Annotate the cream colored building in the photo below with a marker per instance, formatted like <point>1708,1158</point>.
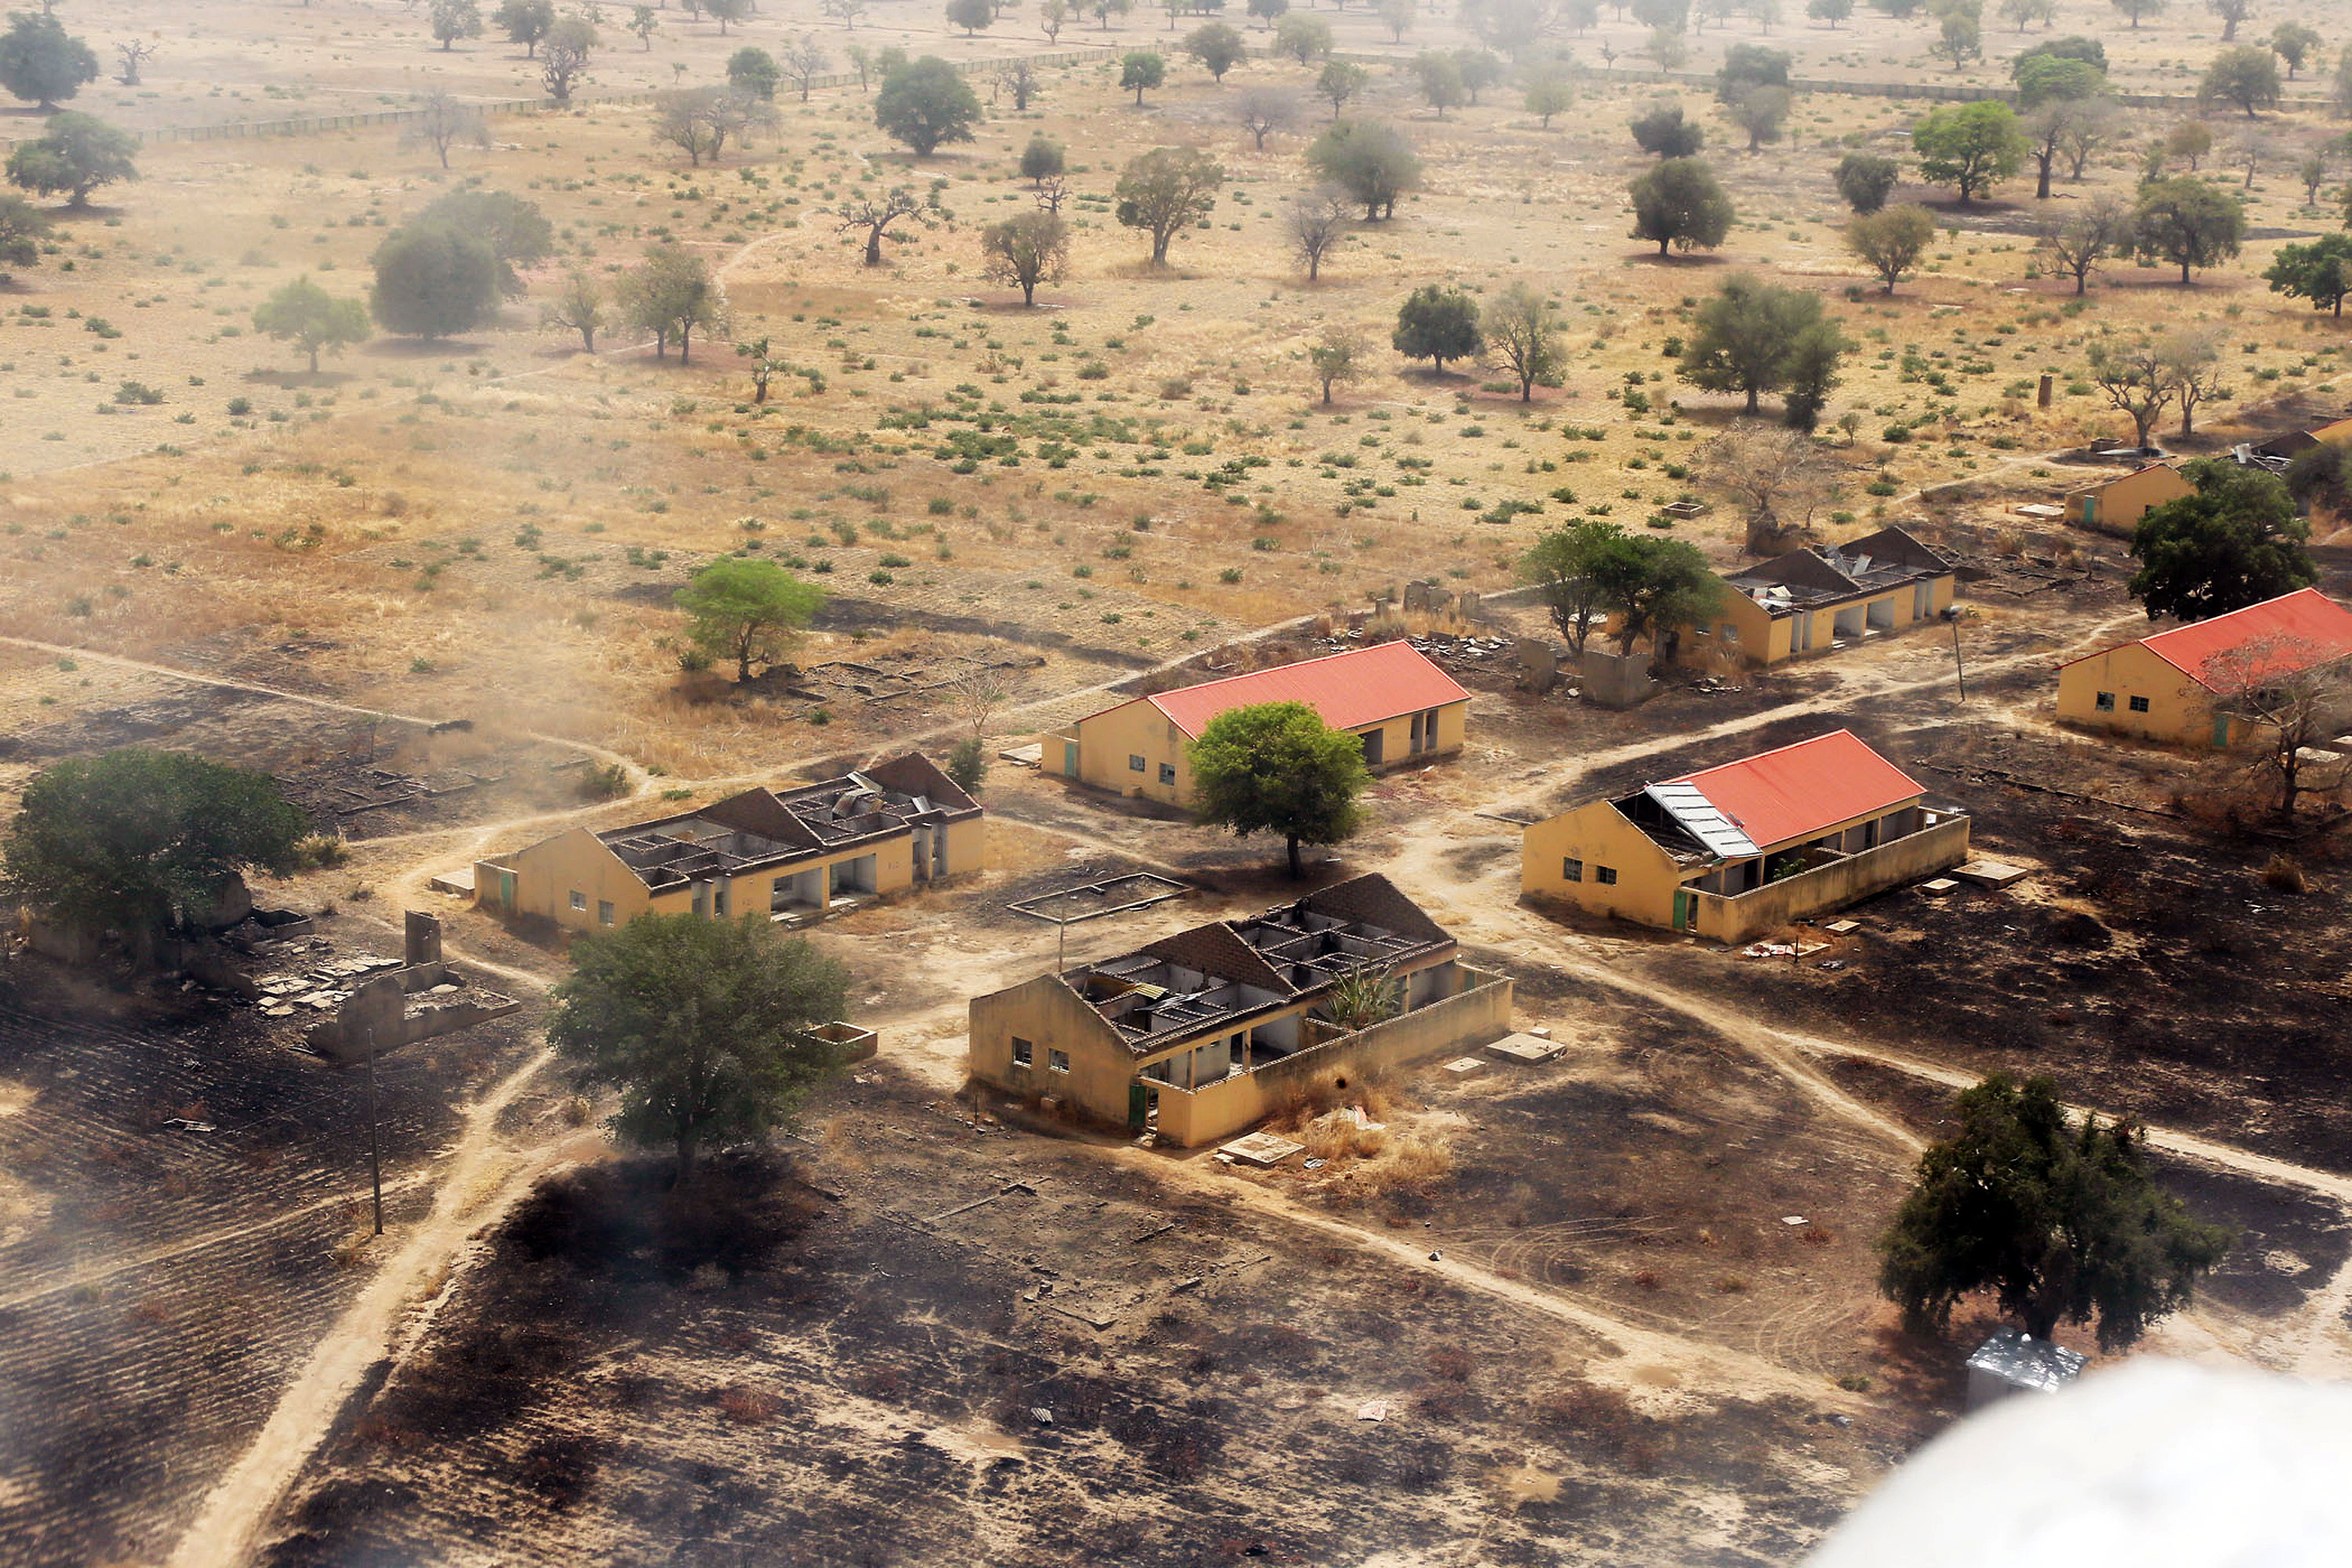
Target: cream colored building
<point>1746,846</point>
<point>792,854</point>
<point>1812,600</point>
<point>1403,707</point>
<point>2116,506</point>
<point>2168,687</point>
<point>1201,1034</point>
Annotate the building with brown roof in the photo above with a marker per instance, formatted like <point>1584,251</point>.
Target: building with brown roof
<point>1822,597</point>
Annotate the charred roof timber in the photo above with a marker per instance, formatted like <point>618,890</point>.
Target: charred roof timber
<point>1823,574</point>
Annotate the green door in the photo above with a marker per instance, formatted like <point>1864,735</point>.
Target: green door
<point>1069,759</point>
<point>2222,731</point>
<point>506,891</point>
<point>2090,511</point>
<point>1136,1106</point>
<point>1686,910</point>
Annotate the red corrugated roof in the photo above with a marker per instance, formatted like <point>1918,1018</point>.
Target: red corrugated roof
<point>2277,637</point>
<point>1363,685</point>
<point>1775,796</point>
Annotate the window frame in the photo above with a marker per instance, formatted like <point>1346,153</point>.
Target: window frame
<point>579,901</point>
<point>604,911</point>
<point>1024,1052</point>
<point>2136,704</point>
<point>1605,875</point>
<point>1571,868</point>
<point>1056,1061</point>
<point>1136,763</point>
<point>2103,703</point>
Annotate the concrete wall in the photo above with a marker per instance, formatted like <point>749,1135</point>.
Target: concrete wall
<point>2180,711</point>
<point>2116,507</point>
<point>1836,884</point>
<point>1479,1012</point>
<point>1767,639</point>
<point>1052,1016</point>
<point>1598,834</point>
<point>1108,740</point>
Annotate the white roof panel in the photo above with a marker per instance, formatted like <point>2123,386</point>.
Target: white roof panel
<point>1699,817</point>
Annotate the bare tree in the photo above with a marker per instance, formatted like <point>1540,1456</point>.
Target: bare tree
<point>2095,125</point>
<point>2250,149</point>
<point>441,121</point>
<point>1263,111</point>
<point>977,692</point>
<point>700,122</point>
<point>1025,251</point>
<point>1337,355</point>
<point>2190,360</point>
<point>2134,375</point>
<point>1051,190</point>
<point>133,53</point>
<point>846,11</point>
<point>876,214</point>
<point>1316,222</point>
<point>1019,78</point>
<point>802,61</point>
<point>1779,479</point>
<point>2294,697</point>
<point>580,306</point>
<point>1051,17</point>
<point>2080,245</point>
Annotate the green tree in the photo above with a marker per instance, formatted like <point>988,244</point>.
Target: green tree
<point>1140,68</point>
<point>1340,81</point>
<point>1277,768</point>
<point>1437,324</point>
<point>1830,11</point>
<point>1166,191</point>
<point>1678,203</point>
<point>2065,1224</point>
<point>432,282</point>
<point>704,1028</point>
<point>144,842</point>
<point>1747,67</point>
<point>23,227</point>
<point>451,20</point>
<point>1478,69</point>
<point>1971,145</point>
<point>1026,250</point>
<point>1371,159</point>
<point>925,103</point>
<point>581,306</point>
<point>311,319</point>
<point>1760,111</point>
<point>673,293</point>
<point>748,611</point>
<point>1754,337</point>
<point>1217,46</point>
<point>75,155</point>
<point>2184,221</point>
<point>753,71</point>
<point>2320,272</point>
<point>1570,567</point>
<point>1890,243</point>
<point>1523,333</point>
<point>565,55</point>
<point>1043,159</point>
<point>2047,76</point>
<point>966,767</point>
<point>2136,9</point>
<point>2192,142</point>
<point>1664,132</point>
<point>972,16</point>
<point>2247,76</point>
<point>1654,585</point>
<point>1866,180</point>
<point>2234,542</point>
<point>514,228</point>
<point>1336,354</point>
<point>1440,79</point>
<point>41,62</point>
<point>1549,89</point>
<point>525,22</point>
<point>1303,38</point>
<point>1959,38</point>
<point>2292,43</point>
<point>2320,479</point>
<point>2074,47</point>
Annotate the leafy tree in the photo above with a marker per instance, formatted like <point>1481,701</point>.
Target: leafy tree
<point>2292,43</point>
<point>454,19</point>
<point>1318,222</point>
<point>876,214</point>
<point>1479,70</point>
<point>1759,112</point>
<point>39,61</point>
<point>1397,17</point>
<point>2231,13</point>
<point>2136,9</point>
<point>2047,76</point>
<point>1026,250</point>
<point>1866,180</point>
<point>1043,159</point>
<point>1971,145</point>
<point>748,611</point>
<point>2082,243</point>
<point>1754,337</point>
<point>2187,222</point>
<point>2247,76</point>
<point>1549,90</point>
<point>525,22</point>
<point>1276,767</point>
<point>1263,111</point>
<point>2235,541</point>
<point>75,155</point>
<point>441,121</point>
<point>1105,10</point>
<point>1570,567</point>
<point>1268,11</point>
<point>671,293</point>
<point>753,71</point>
<point>582,305</point>
<point>1440,79</point>
<point>1371,159</point>
<point>1678,203</point>
<point>1654,585</point>
<point>517,232</point>
<point>1336,354</point>
<point>1523,333</point>
<point>1959,38</point>
<point>2192,142</point>
<point>565,56</point>
<point>724,12</point>
<point>644,23</point>
<point>1166,191</point>
<point>1747,67</point>
<point>1663,131</point>
<point>972,16</point>
<point>1437,324</point>
<point>1830,11</point>
<point>2065,95</point>
<point>1673,16</point>
<point>1340,81</point>
<point>925,103</point>
<point>966,767</point>
<point>1217,46</point>
<point>2320,272</point>
<point>1303,38</point>
<point>2063,1224</point>
<point>2023,12</point>
<point>143,842</point>
<point>1891,242</point>
<point>2074,47</point>
<point>310,319</point>
<point>705,1027</point>
<point>1141,68</point>
<point>2320,479</point>
<point>23,227</point>
<point>434,281</point>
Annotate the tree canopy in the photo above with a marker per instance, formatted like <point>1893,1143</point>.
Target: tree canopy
<point>754,71</point>
<point>1371,159</point>
<point>1571,568</point>
<point>1165,191</point>
<point>702,1026</point>
<point>1217,46</point>
<point>74,155</point>
<point>1277,768</point>
<point>1754,337</point>
<point>432,282</point>
<point>926,103</point>
<point>22,229</point>
<point>1654,585</point>
<point>2235,541</point>
<point>1026,250</point>
<point>746,610</point>
<point>1662,130</point>
<point>40,61</point>
<point>144,842</point>
<point>1865,180</point>
<point>2246,77</point>
<point>514,228</point>
<point>1891,242</point>
<point>1524,331</point>
<point>1679,203</point>
<point>1139,70</point>
<point>1437,324</point>
<point>311,319</point>
<point>2184,221</point>
<point>2320,271</point>
<point>2065,1224</point>
<point>1972,146</point>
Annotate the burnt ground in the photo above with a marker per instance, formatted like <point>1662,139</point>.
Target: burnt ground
<point>852,1373</point>
<point>158,1286</point>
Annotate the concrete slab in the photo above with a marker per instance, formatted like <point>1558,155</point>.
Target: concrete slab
<point>1463,1066</point>
<point>1939,887</point>
<point>1261,1148</point>
<point>1991,873</point>
<point>1526,1050</point>
<point>460,881</point>
<point>1843,928</point>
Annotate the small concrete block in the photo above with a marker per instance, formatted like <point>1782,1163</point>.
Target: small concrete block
<point>1526,1050</point>
<point>1991,873</point>
<point>1843,928</point>
<point>460,881</point>
<point>1463,1066</point>
<point>1261,1148</point>
<point>1939,887</point>
<point>1541,1031</point>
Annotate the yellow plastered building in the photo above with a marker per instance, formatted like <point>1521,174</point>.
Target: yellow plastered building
<point>792,855</point>
<point>2168,687</point>
<point>2116,506</point>
<point>1404,708</point>
<point>1749,846</point>
<point>1816,599</point>
<point>1201,1034</point>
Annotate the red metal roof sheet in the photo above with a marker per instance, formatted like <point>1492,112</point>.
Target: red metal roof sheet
<point>2277,637</point>
<point>1363,686</point>
<point>1798,790</point>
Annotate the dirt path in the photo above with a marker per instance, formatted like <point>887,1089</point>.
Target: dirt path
<point>482,1177</point>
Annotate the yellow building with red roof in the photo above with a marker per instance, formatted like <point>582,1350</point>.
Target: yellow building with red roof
<point>2169,687</point>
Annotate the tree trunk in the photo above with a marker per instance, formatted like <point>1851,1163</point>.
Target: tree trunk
<point>1028,292</point>
<point>314,362</point>
<point>2042,190</point>
<point>2082,283</point>
<point>874,246</point>
<point>1298,867</point>
<point>1753,395</point>
<point>2184,274</point>
<point>684,334</point>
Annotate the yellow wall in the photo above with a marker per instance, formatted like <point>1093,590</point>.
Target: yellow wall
<point>1052,1016</point>
<point>1766,640</point>
<point>1108,740</point>
<point>2180,711</point>
<point>1598,834</point>
<point>1841,882</point>
<point>2123,502</point>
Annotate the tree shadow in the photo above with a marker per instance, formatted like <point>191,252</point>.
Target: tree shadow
<point>296,380</point>
<point>421,348</point>
<point>1683,259</point>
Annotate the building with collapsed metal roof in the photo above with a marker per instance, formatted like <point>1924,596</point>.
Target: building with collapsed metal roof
<point>1819,598</point>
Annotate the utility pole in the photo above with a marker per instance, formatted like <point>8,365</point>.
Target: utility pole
<point>1959,668</point>
<point>375,1159</point>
